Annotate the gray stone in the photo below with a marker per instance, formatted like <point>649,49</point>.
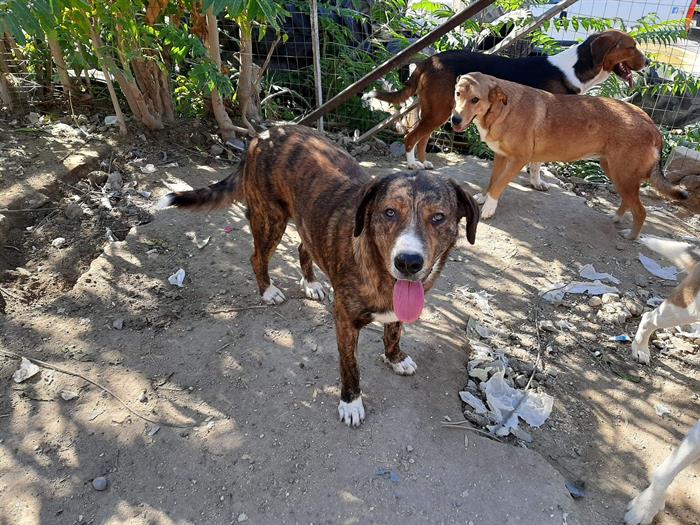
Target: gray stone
<point>4,225</point>
<point>216,150</point>
<point>99,483</point>
<point>595,301</point>
<point>58,242</point>
<point>111,120</point>
<point>610,298</point>
<point>74,211</point>
<point>635,308</point>
<point>33,118</point>
<point>641,280</point>
<point>115,181</point>
<point>118,324</point>
<point>37,200</point>
<point>98,177</point>
<point>397,149</point>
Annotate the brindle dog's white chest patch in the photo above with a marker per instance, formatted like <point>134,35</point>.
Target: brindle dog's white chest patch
<point>385,317</point>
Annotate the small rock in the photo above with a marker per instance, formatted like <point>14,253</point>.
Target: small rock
<point>547,326</point>
<point>74,211</point>
<point>143,398</point>
<point>115,181</point>
<point>67,395</point>
<point>118,324</point>
<point>641,280</point>
<point>99,483</point>
<point>620,247</point>
<point>479,373</point>
<point>521,380</point>
<point>682,345</point>
<point>97,177</point>
<point>4,225</point>
<point>610,298</point>
<point>33,117</point>
<point>111,120</point>
<point>397,149</point>
<point>635,308</point>
<point>595,301</point>
<point>58,242</point>
<point>409,448</point>
<point>37,200</point>
<point>242,517</point>
<point>216,150</point>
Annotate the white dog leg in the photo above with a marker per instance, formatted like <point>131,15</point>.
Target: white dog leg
<point>489,207</point>
<point>666,315</point>
<point>413,164</point>
<point>642,509</point>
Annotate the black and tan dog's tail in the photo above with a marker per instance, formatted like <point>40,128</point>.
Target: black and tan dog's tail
<point>666,187</point>
<point>682,254</point>
<point>397,97</point>
<point>219,195</point>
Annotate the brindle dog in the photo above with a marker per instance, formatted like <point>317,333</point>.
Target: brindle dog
<point>366,235</point>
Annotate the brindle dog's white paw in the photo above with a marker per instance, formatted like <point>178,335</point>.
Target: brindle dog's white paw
<point>273,295</point>
<point>642,509</point>
<point>415,165</point>
<point>427,165</point>
<point>352,413</point>
<point>488,210</point>
<point>313,289</point>
<point>407,367</point>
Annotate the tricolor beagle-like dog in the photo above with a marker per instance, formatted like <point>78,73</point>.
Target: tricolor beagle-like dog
<point>573,71</point>
<point>381,242</point>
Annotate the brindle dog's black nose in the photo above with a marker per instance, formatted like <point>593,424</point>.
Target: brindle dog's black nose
<point>456,120</point>
<point>408,263</point>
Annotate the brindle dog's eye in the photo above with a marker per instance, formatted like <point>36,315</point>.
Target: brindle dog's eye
<point>437,218</point>
<point>390,212</point>
<point>457,93</point>
<point>475,100</point>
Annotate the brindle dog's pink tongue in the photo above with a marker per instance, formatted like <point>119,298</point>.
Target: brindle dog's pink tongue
<point>409,299</point>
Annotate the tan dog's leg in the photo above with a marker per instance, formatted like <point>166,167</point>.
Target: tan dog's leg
<point>400,362</point>
<point>421,149</point>
<point>430,120</point>
<point>631,200</point>
<point>627,180</point>
<point>309,285</point>
<point>350,409</point>
<point>535,181</point>
<point>504,171</point>
<point>267,228</point>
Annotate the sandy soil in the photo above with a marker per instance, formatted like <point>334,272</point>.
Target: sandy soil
<point>242,398</point>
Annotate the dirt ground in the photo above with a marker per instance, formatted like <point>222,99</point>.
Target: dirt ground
<point>240,399</point>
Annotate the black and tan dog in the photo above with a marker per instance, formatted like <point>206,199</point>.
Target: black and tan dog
<point>381,242</point>
<point>573,71</point>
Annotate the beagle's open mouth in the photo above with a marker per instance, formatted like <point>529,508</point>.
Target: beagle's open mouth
<point>623,71</point>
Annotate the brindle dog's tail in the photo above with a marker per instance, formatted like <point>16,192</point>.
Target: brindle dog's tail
<point>666,187</point>
<point>219,195</point>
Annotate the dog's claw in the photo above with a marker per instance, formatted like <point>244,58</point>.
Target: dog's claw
<point>273,295</point>
<point>406,367</point>
<point>352,413</point>
<point>313,290</point>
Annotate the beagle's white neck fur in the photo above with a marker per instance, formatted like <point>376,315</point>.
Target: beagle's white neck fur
<point>565,62</point>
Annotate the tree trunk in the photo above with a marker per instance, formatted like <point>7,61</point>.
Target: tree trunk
<point>246,80</point>
<point>97,45</point>
<point>57,55</point>
<point>8,95</point>
<point>155,87</point>
<point>226,127</point>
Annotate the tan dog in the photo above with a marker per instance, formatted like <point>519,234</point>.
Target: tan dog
<point>680,308</point>
<point>521,125</point>
<point>380,242</point>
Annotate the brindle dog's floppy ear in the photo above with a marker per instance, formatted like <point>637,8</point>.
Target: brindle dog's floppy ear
<point>496,94</point>
<point>368,196</point>
<point>602,45</point>
<point>467,207</point>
